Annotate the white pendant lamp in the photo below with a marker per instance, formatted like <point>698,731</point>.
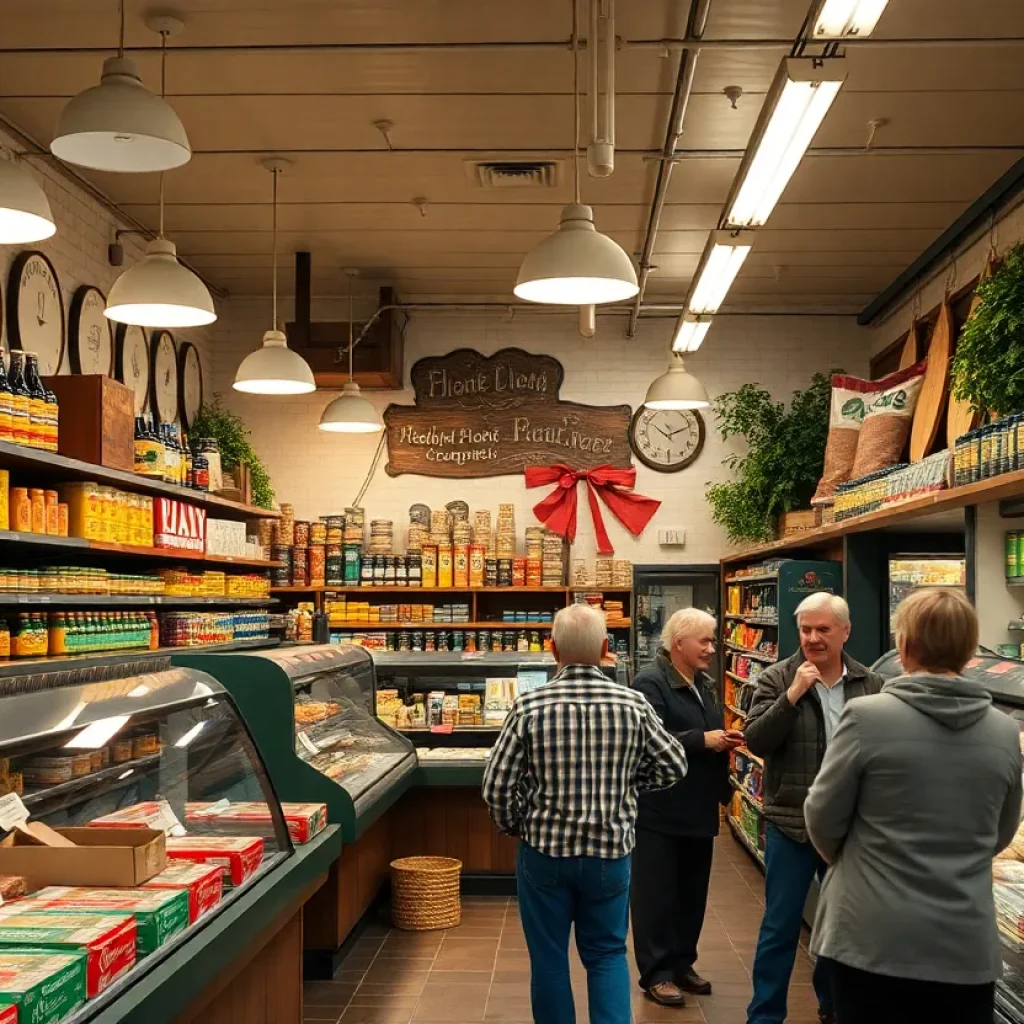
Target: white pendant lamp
<point>350,412</point>
<point>158,291</point>
<point>119,125</point>
<point>274,369</point>
<point>577,265</point>
<point>677,389</point>
<point>24,209</point>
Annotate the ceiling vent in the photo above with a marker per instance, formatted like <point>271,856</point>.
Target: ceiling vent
<point>516,173</point>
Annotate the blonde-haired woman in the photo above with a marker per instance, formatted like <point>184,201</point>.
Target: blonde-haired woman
<point>676,828</point>
<point>920,788</point>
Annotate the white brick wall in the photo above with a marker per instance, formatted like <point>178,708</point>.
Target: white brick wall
<point>79,248</point>
<point>321,473</point>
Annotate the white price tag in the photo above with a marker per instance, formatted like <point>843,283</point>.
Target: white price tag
<point>308,743</point>
<point>214,809</point>
<point>168,821</point>
<point>12,811</point>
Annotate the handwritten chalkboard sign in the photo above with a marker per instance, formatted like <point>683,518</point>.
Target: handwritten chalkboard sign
<point>479,415</point>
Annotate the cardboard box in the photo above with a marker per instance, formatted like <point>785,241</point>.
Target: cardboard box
<point>82,856</point>
<point>304,821</point>
<point>204,884</point>
<point>108,940</point>
<point>45,986</point>
<point>148,814</point>
<point>96,419</point>
<point>159,913</point>
<point>238,856</point>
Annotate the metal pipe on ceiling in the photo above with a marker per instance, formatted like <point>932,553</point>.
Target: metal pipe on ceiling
<point>673,132</point>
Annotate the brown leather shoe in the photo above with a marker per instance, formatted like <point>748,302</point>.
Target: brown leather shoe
<point>691,981</point>
<point>667,993</point>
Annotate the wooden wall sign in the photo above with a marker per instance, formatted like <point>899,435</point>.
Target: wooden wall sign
<point>479,415</point>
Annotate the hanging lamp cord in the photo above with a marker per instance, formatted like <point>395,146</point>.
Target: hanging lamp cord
<point>350,346</point>
<point>120,38</point>
<point>576,99</point>
<point>274,172</point>
<point>163,94</point>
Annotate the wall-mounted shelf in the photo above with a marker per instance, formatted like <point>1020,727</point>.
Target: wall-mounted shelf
<point>119,601</point>
<point>752,620</point>
<point>418,590</point>
<point>748,652</point>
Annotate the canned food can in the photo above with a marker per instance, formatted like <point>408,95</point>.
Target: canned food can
<point>1013,544</point>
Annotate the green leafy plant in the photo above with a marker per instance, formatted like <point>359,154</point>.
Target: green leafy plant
<point>232,435</point>
<point>783,460</point>
<point>988,368</point>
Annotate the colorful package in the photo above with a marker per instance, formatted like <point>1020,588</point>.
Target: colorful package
<point>159,915</point>
<point>887,420</point>
<point>204,884</point>
<point>107,940</point>
<point>238,856</point>
<point>304,821</point>
<point>144,815</point>
<point>45,987</point>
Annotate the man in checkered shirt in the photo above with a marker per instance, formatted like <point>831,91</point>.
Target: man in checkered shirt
<point>564,777</point>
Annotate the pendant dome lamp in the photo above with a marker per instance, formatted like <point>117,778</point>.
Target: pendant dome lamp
<point>274,369</point>
<point>350,412</point>
<point>119,125</point>
<point>577,265</point>
<point>24,209</point>
<point>677,389</point>
<point>158,291</point>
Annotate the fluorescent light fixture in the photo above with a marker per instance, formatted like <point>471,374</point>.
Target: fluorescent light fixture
<point>677,389</point>
<point>189,736</point>
<point>723,256</point>
<point>800,97</point>
<point>97,734</point>
<point>576,265</point>
<point>24,209</point>
<point>160,292</point>
<point>838,19</point>
<point>274,369</point>
<point>690,333</point>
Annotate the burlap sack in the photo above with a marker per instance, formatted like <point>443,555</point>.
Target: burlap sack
<point>886,426</point>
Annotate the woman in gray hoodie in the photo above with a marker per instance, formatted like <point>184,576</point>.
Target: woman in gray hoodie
<point>920,788</point>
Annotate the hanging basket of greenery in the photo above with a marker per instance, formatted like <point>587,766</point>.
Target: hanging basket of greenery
<point>783,460</point>
<point>232,436</point>
<point>988,368</point>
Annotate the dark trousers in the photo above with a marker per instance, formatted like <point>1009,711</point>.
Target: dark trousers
<point>590,894</point>
<point>865,998</point>
<point>668,896</point>
<point>789,869</point>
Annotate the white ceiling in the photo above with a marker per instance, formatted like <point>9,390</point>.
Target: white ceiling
<point>849,222</point>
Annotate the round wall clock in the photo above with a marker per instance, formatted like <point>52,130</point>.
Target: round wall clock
<point>163,383</point>
<point>35,310</point>
<point>667,440</point>
<point>90,342</point>
<point>131,363</point>
<point>190,384</point>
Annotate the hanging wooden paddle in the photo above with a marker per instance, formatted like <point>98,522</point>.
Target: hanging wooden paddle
<point>962,417</point>
<point>931,403</point>
<point>908,357</point>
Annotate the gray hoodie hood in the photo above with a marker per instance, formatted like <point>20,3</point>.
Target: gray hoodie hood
<point>952,701</point>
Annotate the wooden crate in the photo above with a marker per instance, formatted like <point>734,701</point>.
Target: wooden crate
<point>96,419</point>
<point>797,522</point>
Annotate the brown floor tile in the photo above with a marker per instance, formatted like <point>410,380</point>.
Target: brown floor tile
<point>376,1015</point>
<point>398,972</point>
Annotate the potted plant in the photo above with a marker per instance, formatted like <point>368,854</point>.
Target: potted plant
<point>232,437</point>
<point>782,463</point>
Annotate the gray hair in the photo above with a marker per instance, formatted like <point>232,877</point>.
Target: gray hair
<point>578,634</point>
<point>683,623</point>
<point>823,601</point>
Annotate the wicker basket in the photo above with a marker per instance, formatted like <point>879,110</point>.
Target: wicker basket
<point>425,893</point>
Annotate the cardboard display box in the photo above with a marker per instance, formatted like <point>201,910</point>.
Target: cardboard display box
<point>44,986</point>
<point>82,856</point>
<point>204,884</point>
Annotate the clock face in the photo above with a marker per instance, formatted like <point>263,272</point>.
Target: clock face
<point>35,310</point>
<point>667,440</point>
<point>190,384</point>
<point>164,381</point>
<point>91,344</point>
<point>131,363</point>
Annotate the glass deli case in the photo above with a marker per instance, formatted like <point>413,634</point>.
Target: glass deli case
<point>160,750</point>
<point>311,711</point>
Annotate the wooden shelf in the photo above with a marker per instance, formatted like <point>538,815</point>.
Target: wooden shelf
<point>418,590</point>
<point>378,626</point>
<point>765,577</point>
<point>748,652</point>
<point>600,590</point>
<point>119,601</point>
<point>997,488</point>
<point>752,620</point>
<point>60,468</point>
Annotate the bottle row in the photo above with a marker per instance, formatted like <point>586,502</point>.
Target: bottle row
<point>163,452</point>
<point>28,410</point>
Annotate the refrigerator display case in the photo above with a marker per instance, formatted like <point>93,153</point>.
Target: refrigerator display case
<point>909,572</point>
<point>1004,679</point>
<point>311,711</point>
<point>661,590</point>
<point>143,750</point>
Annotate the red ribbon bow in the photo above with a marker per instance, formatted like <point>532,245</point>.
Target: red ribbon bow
<point>558,510</point>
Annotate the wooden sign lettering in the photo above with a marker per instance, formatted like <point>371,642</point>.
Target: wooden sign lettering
<point>479,415</point>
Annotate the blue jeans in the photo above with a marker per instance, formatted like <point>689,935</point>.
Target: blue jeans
<point>556,893</point>
<point>789,869</point>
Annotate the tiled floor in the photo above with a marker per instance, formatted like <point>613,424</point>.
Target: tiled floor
<point>479,972</point>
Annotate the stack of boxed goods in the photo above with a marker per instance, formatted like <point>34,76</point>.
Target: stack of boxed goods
<point>231,539</point>
<point>303,820</point>
<point>553,567</point>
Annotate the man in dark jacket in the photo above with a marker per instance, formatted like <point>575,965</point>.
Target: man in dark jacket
<point>794,713</point>
<point>676,829</point>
